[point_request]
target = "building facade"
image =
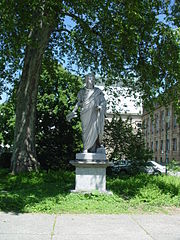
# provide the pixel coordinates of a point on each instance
(127, 106)
(136, 118)
(162, 134)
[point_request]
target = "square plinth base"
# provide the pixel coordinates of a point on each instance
(90, 176)
(89, 179)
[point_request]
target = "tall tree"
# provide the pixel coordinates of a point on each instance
(118, 39)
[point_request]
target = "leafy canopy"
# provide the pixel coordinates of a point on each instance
(121, 40)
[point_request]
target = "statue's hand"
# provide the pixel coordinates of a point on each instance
(71, 115)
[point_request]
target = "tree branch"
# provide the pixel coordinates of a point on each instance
(77, 40)
(82, 23)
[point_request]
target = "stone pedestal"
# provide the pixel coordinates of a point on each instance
(90, 172)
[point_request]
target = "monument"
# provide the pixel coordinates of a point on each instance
(92, 163)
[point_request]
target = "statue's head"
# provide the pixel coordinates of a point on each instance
(90, 80)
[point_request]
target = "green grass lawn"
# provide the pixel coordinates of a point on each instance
(50, 193)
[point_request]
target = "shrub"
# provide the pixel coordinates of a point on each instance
(123, 142)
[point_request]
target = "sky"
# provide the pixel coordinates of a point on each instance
(4, 97)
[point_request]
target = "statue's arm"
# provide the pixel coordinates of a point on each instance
(73, 114)
(102, 103)
(76, 107)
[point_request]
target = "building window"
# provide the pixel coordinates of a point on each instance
(174, 142)
(174, 121)
(146, 132)
(167, 145)
(162, 146)
(162, 120)
(157, 122)
(156, 149)
(152, 146)
(152, 126)
(168, 119)
(147, 127)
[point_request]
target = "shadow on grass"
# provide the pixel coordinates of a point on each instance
(21, 190)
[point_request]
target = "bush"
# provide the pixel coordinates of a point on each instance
(174, 166)
(123, 142)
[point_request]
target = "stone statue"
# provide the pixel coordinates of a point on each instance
(92, 112)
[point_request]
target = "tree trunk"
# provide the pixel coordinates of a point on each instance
(24, 152)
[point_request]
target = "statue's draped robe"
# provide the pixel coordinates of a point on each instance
(92, 119)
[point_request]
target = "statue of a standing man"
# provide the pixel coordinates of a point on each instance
(93, 108)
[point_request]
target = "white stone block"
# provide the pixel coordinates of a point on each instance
(89, 179)
(91, 156)
(91, 171)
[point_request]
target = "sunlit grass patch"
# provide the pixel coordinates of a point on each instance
(50, 193)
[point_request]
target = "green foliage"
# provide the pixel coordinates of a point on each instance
(174, 166)
(7, 121)
(57, 141)
(50, 193)
(122, 40)
(122, 141)
(175, 14)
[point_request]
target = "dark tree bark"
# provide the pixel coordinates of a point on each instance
(24, 152)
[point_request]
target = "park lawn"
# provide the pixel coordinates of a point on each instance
(50, 193)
